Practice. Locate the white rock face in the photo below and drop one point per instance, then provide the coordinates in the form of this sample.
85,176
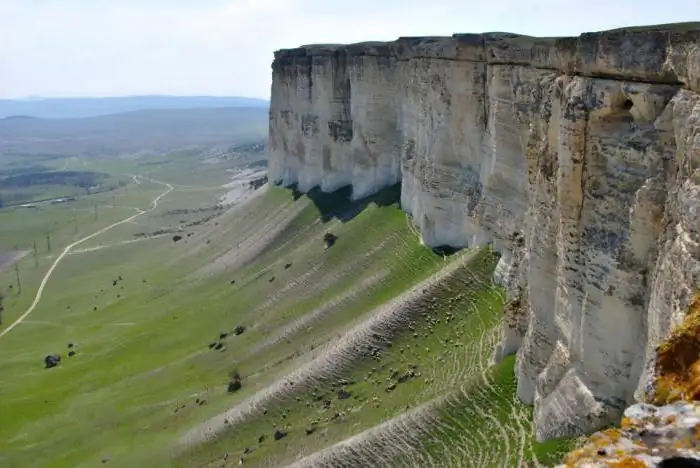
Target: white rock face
577,158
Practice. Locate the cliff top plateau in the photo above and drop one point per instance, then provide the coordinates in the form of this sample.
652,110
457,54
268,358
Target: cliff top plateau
654,54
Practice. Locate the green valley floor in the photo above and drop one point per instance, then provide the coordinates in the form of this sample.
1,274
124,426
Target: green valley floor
375,351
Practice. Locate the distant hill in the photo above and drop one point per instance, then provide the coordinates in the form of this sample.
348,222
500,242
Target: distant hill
62,108
152,129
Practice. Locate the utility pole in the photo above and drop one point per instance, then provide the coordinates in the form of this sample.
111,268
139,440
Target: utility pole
48,241
19,283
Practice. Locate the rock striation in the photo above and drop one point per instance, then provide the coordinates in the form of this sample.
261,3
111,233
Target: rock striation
576,158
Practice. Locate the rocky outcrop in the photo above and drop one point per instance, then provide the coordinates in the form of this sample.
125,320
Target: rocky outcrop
650,436
576,158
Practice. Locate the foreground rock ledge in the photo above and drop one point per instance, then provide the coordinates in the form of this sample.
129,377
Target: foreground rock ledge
577,158
649,436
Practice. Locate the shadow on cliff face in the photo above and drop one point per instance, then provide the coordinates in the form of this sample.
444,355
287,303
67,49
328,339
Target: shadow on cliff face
338,205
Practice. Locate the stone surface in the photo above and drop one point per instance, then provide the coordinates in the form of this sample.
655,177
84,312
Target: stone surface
576,158
650,436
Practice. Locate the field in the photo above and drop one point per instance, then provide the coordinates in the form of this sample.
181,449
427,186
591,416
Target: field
375,351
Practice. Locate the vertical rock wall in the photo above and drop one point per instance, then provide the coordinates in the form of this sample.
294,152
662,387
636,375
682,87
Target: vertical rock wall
577,158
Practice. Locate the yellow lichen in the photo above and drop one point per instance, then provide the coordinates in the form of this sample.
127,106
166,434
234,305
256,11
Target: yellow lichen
628,462
678,360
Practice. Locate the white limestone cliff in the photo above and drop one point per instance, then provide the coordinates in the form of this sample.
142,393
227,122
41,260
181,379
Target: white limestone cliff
577,158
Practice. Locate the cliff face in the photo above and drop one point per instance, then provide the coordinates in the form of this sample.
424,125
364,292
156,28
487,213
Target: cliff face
577,158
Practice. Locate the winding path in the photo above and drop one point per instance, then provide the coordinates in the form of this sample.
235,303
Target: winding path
66,251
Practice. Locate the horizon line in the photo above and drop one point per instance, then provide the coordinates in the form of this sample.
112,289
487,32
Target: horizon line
123,96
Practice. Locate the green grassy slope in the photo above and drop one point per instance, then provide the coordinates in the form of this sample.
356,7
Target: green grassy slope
144,379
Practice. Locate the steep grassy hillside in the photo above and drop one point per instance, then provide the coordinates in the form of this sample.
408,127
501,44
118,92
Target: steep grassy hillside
374,351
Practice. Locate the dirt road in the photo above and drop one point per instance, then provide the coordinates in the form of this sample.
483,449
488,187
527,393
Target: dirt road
66,251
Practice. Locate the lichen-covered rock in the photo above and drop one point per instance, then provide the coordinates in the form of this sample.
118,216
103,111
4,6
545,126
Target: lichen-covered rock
576,158
649,436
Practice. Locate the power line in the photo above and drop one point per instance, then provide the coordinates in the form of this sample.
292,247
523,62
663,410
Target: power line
19,282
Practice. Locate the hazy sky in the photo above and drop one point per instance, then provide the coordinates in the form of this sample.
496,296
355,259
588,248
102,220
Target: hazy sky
224,47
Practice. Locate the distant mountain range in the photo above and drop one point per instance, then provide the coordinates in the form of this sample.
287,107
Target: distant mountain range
62,108
160,130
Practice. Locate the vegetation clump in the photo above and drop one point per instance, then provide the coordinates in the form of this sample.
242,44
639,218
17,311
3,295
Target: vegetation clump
235,383
52,360
678,361
329,239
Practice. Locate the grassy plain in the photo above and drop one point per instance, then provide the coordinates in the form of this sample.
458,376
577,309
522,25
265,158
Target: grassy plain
144,385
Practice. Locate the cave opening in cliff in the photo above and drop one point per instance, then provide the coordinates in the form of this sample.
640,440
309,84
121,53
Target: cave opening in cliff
627,105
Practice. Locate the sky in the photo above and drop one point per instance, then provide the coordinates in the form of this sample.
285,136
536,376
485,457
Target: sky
64,48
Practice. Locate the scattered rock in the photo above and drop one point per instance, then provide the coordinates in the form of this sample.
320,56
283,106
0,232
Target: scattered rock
343,395
239,330
310,430
233,281
404,378
70,345
212,344
261,439
223,335
105,459
287,266
279,434
271,279
52,360
218,346
71,353
177,238
247,450
391,387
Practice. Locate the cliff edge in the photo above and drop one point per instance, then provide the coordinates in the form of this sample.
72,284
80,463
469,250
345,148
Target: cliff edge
576,158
